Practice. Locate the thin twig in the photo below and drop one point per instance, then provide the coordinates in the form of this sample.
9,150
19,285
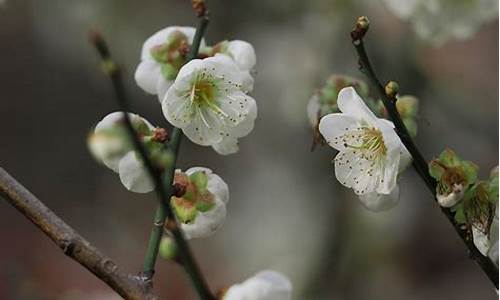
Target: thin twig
419,162
163,184
70,242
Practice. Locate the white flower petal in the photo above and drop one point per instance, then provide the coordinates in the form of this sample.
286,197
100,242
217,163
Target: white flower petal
350,103
379,202
390,175
116,147
333,126
206,129
243,54
134,175
228,145
162,86
116,117
265,285
146,76
481,241
206,223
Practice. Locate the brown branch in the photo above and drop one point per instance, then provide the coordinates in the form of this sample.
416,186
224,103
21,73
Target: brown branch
70,242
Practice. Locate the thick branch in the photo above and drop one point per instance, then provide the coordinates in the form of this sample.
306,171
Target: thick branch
71,243
419,162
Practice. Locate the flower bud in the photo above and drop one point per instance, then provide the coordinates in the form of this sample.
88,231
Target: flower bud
360,28
392,89
168,248
407,106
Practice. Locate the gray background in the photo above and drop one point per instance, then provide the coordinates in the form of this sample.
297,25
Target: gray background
286,211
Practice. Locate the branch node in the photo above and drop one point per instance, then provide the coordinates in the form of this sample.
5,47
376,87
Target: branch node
67,246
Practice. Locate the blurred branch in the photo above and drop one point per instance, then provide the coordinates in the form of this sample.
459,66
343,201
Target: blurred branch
163,181
419,163
70,242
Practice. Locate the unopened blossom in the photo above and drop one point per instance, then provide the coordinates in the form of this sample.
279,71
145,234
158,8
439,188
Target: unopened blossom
111,145
209,102
438,21
453,176
241,52
201,210
162,56
265,285
371,155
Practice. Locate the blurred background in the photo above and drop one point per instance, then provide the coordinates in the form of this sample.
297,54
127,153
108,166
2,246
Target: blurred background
287,211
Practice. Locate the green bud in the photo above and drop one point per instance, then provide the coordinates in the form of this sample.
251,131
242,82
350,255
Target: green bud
451,172
407,106
168,248
109,67
411,125
184,209
392,89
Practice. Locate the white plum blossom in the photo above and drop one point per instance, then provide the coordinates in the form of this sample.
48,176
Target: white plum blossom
440,20
165,52
110,144
371,154
265,285
209,102
201,211
162,56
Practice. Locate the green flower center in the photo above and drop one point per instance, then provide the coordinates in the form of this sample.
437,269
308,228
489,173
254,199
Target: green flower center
196,199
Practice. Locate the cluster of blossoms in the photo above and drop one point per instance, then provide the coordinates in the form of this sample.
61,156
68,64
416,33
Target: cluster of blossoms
438,21
324,102
474,202
207,98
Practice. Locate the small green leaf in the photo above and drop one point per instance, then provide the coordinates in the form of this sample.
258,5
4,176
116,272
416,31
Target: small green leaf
449,158
436,170
470,170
